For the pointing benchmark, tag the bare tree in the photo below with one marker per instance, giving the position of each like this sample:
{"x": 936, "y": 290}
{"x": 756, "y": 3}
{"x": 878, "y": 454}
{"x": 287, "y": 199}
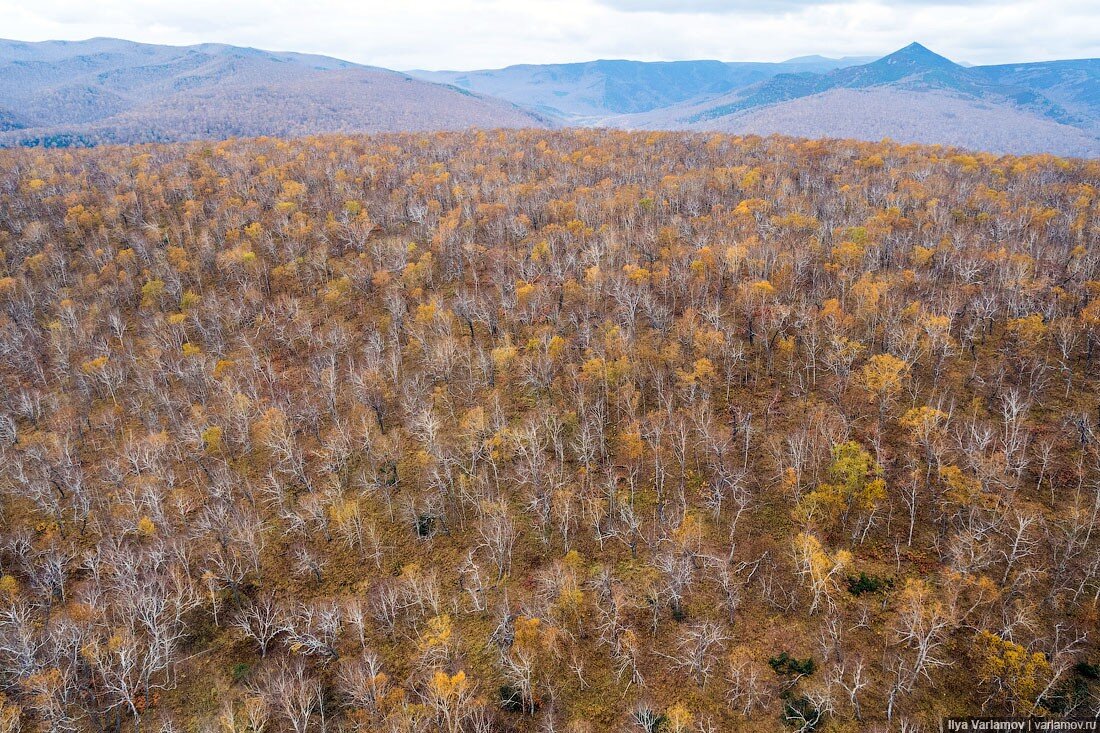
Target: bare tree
{"x": 261, "y": 621}
{"x": 292, "y": 694}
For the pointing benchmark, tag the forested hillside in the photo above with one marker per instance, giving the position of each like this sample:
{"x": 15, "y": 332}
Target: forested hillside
{"x": 913, "y": 96}
{"x": 599, "y": 90}
{"x": 522, "y": 431}
{"x": 59, "y": 94}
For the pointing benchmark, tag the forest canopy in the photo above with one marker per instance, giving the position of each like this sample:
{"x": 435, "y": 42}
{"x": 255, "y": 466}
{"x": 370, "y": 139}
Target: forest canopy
{"x": 546, "y": 431}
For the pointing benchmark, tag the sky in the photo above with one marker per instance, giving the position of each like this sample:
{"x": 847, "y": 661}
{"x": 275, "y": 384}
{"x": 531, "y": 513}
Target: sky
{"x": 473, "y": 34}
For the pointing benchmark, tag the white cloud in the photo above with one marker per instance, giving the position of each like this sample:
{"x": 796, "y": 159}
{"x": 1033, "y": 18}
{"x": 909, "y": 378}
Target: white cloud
{"x": 728, "y": 7}
{"x": 488, "y": 33}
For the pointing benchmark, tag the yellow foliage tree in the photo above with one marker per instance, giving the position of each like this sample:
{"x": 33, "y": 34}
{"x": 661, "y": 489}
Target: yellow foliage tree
{"x": 1021, "y": 675}
{"x": 853, "y": 486}
{"x": 884, "y": 375}
{"x": 818, "y": 568}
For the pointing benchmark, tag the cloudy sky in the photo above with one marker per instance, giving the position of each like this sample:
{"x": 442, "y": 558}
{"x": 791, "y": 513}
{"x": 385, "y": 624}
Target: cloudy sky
{"x": 466, "y": 34}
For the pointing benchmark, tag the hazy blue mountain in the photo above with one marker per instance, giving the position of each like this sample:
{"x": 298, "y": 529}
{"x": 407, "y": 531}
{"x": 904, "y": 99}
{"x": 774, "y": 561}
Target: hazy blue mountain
{"x": 911, "y": 94}
{"x": 596, "y": 89}
{"x": 913, "y": 66}
{"x": 1074, "y": 85}
{"x": 915, "y": 95}
{"x": 8, "y": 121}
{"x": 110, "y": 90}
{"x": 915, "y": 69}
{"x": 828, "y": 64}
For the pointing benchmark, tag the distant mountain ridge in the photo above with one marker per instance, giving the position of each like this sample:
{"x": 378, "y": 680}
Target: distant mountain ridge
{"x": 913, "y": 68}
{"x": 925, "y": 97}
{"x": 913, "y": 94}
{"x": 109, "y": 90}
{"x": 105, "y": 90}
{"x": 593, "y": 90}
{"x": 830, "y": 62}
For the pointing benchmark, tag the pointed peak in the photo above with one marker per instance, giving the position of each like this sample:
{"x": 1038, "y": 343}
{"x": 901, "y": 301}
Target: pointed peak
{"x": 916, "y": 53}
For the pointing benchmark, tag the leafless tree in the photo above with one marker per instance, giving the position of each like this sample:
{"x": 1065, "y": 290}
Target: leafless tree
{"x": 261, "y": 621}
{"x": 292, "y": 694}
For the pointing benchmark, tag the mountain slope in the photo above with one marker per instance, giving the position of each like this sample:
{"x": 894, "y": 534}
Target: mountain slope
{"x": 912, "y": 95}
{"x": 1074, "y": 85}
{"x": 107, "y": 90}
{"x": 8, "y": 121}
{"x": 932, "y": 117}
{"x": 103, "y": 90}
{"x": 596, "y": 89}
{"x": 914, "y": 67}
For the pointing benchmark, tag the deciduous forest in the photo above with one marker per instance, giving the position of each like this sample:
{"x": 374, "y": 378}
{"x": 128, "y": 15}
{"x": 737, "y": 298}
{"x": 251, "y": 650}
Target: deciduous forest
{"x": 572, "y": 431}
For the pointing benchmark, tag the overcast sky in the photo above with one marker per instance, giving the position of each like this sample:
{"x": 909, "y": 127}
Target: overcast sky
{"x": 468, "y": 34}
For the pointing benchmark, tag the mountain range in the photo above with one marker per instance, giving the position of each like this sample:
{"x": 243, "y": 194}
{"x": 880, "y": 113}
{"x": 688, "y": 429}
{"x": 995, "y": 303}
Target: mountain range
{"x": 911, "y": 95}
{"x": 590, "y": 92}
{"x": 106, "y": 90}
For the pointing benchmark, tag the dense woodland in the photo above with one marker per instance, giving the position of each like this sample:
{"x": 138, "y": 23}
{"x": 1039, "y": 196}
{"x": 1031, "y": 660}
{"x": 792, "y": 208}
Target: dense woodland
{"x": 546, "y": 431}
